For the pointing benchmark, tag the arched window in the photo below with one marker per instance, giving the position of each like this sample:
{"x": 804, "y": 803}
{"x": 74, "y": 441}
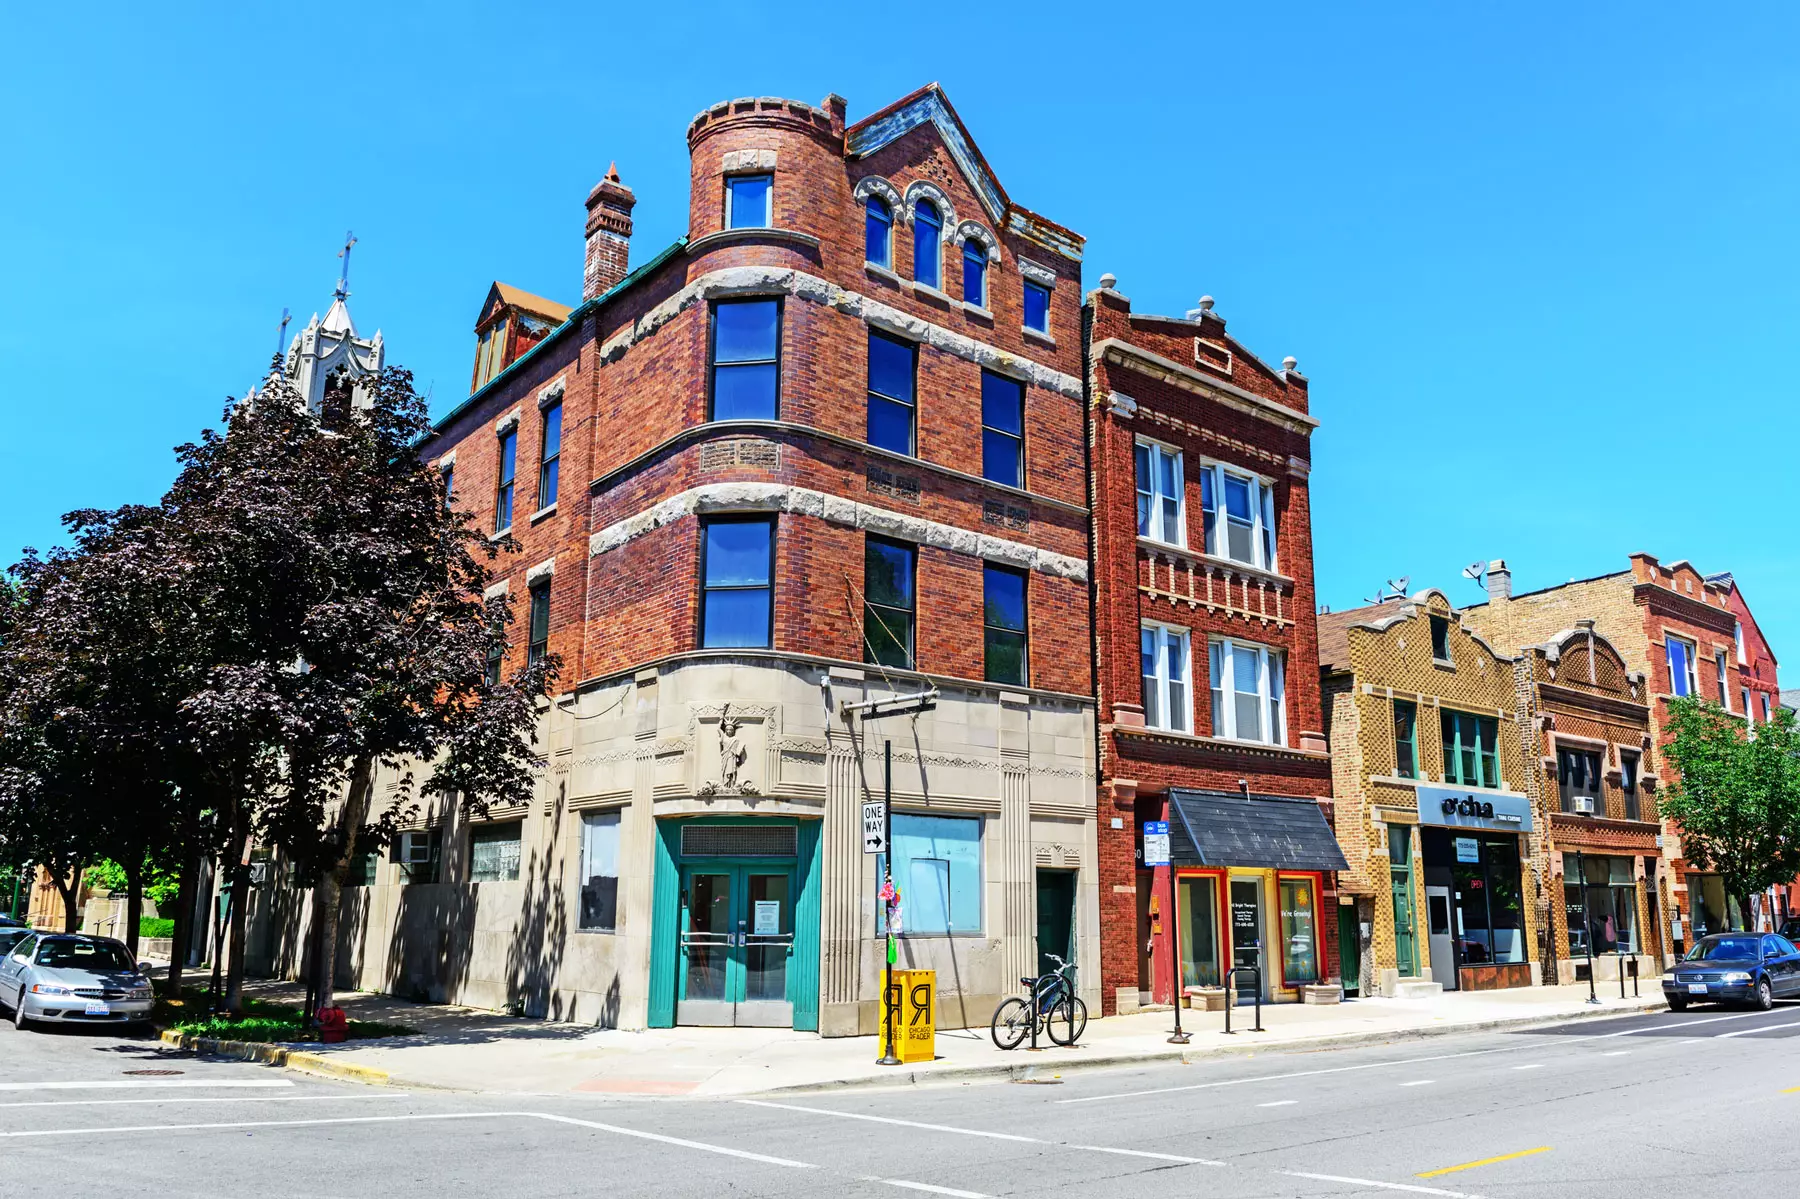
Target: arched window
{"x": 928, "y": 234}
{"x": 880, "y": 247}
{"x": 975, "y": 263}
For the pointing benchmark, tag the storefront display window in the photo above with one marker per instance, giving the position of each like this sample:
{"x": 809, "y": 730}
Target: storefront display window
{"x": 1489, "y": 908}
{"x": 1299, "y": 931}
{"x": 1714, "y": 912}
{"x": 1200, "y": 932}
{"x": 1600, "y": 897}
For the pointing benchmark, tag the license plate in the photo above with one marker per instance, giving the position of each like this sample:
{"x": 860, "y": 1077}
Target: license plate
{"x": 1696, "y": 988}
{"x": 98, "y": 1009}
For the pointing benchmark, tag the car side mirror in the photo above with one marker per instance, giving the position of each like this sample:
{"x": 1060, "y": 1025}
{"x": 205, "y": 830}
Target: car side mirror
{"x": 143, "y": 967}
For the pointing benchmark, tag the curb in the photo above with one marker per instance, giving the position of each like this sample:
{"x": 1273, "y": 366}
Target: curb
{"x": 274, "y": 1054}
{"x": 1043, "y": 1071}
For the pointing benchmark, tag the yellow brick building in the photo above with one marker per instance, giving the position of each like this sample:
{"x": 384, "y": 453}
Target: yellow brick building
{"x": 1430, "y": 801}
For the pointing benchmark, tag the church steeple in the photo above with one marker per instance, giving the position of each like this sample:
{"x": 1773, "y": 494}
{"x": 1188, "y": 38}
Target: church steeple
{"x": 328, "y": 356}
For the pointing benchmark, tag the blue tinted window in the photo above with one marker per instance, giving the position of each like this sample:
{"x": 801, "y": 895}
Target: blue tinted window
{"x": 1003, "y": 621}
{"x": 928, "y": 232}
{"x": 736, "y": 595}
{"x": 975, "y": 273}
{"x": 549, "y": 463}
{"x": 891, "y": 371}
{"x": 746, "y": 377}
{"x": 880, "y": 235}
{"x": 1037, "y": 307}
{"x": 1002, "y": 430}
{"x": 889, "y": 608}
{"x": 503, "y": 501}
{"x": 747, "y": 201}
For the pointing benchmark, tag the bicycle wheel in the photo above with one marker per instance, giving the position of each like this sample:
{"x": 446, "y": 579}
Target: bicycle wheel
{"x": 1012, "y": 1021}
{"x": 1068, "y": 1020}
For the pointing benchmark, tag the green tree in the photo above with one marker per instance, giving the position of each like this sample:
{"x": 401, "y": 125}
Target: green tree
{"x": 1736, "y": 796}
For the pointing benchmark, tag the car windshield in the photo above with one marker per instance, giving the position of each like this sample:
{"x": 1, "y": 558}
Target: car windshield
{"x": 1736, "y": 949}
{"x": 83, "y": 955}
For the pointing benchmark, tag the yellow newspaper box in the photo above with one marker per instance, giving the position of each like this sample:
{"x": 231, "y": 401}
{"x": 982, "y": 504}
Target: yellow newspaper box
{"x": 915, "y": 1030}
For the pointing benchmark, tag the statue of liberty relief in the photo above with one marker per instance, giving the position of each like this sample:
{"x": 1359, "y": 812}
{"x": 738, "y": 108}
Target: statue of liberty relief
{"x": 732, "y": 755}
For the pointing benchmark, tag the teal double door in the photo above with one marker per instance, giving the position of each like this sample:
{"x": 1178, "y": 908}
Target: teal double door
{"x": 736, "y": 944}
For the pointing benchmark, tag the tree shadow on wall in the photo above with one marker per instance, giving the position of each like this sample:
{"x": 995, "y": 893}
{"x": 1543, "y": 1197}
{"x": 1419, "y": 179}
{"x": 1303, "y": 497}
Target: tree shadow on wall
{"x": 433, "y": 942}
{"x": 352, "y": 931}
{"x": 539, "y": 944}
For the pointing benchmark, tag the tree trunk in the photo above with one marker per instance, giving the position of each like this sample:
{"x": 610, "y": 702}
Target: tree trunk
{"x": 184, "y": 924}
{"x": 236, "y": 869}
{"x": 1743, "y": 900}
{"x": 69, "y": 887}
{"x": 134, "y": 902}
{"x": 327, "y": 894}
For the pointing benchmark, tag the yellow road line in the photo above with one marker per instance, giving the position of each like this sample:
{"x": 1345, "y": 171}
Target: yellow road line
{"x": 1791, "y": 1091}
{"x": 1488, "y": 1161}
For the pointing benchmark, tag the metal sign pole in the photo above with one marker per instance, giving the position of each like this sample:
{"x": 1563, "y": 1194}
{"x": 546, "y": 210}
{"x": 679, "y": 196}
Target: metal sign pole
{"x": 888, "y": 1057}
{"x": 1587, "y": 931}
{"x": 1178, "y": 1037}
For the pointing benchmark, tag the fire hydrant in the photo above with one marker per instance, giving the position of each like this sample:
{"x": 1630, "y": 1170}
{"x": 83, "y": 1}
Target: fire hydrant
{"x": 334, "y": 1025}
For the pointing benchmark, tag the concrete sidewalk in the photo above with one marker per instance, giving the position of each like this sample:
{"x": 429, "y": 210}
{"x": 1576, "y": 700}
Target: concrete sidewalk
{"x": 468, "y": 1050}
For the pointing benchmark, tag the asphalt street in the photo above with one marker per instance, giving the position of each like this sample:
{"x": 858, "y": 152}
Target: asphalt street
{"x": 1702, "y": 1103}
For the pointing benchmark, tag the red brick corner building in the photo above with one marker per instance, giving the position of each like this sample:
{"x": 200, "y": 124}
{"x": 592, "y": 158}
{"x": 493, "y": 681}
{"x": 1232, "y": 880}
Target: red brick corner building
{"x": 1206, "y": 651}
{"x": 826, "y": 448}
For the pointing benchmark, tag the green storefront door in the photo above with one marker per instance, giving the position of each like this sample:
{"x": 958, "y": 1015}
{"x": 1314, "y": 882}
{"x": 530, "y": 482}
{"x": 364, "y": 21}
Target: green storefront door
{"x": 1406, "y": 953}
{"x": 1055, "y": 918}
{"x": 737, "y": 938}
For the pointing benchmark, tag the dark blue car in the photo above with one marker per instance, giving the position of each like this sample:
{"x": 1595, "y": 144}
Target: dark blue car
{"x": 1752, "y": 968}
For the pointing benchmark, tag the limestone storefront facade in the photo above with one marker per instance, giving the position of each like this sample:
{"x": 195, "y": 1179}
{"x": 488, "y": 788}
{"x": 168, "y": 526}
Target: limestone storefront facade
{"x": 824, "y": 449}
{"x": 1444, "y": 847}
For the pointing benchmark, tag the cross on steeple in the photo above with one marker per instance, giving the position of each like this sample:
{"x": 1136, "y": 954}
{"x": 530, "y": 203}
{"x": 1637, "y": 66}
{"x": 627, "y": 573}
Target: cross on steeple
{"x": 343, "y": 287}
{"x": 281, "y": 333}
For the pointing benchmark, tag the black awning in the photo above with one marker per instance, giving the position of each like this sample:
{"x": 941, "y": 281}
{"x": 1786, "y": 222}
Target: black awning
{"x": 1221, "y": 828}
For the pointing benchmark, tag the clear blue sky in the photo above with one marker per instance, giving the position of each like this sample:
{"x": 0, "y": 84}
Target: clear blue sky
{"x": 1538, "y": 261}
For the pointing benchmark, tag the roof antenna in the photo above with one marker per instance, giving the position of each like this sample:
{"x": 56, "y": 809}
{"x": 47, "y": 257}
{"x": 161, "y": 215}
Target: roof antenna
{"x": 343, "y": 286}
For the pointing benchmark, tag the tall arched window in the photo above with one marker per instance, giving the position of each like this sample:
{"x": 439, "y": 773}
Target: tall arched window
{"x": 928, "y": 233}
{"x": 880, "y": 237}
{"x": 975, "y": 263}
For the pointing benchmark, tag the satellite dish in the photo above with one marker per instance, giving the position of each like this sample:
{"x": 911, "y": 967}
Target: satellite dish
{"x": 1475, "y": 570}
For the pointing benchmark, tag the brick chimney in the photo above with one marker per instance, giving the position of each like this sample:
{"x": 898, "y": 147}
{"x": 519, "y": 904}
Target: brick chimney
{"x": 1499, "y": 580}
{"x": 608, "y": 234}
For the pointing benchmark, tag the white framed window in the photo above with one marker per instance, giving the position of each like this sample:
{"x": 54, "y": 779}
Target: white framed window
{"x": 1168, "y": 698}
{"x": 1744, "y": 694}
{"x": 1737, "y": 635}
{"x": 1238, "y": 515}
{"x": 1680, "y": 653}
{"x": 1765, "y": 707}
{"x": 1724, "y": 683}
{"x": 1161, "y": 508}
{"x": 1249, "y": 691}
{"x": 599, "y": 871}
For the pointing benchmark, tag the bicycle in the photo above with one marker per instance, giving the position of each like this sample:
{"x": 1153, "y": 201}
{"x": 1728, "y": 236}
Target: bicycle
{"x": 1051, "y": 1006}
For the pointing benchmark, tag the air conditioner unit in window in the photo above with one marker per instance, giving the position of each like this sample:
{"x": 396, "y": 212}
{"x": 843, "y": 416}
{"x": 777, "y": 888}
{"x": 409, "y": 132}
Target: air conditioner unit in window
{"x": 1584, "y": 805}
{"x": 415, "y": 849}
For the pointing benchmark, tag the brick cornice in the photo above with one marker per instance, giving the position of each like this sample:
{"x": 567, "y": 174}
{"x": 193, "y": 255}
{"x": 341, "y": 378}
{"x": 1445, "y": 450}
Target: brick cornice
{"x": 1167, "y": 370}
{"x": 1552, "y": 693}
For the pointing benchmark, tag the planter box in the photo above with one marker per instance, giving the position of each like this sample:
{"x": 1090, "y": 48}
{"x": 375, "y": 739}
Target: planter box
{"x": 1321, "y": 993}
{"x": 1206, "y": 999}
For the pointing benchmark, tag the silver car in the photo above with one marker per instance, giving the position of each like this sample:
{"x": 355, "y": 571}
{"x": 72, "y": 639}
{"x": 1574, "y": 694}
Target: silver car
{"x": 82, "y": 980}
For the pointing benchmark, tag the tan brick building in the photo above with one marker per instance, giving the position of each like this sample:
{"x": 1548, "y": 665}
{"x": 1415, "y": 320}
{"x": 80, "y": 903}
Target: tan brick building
{"x": 1430, "y": 800}
{"x": 1676, "y": 628}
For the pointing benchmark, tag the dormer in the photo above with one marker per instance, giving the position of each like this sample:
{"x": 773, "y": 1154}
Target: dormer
{"x": 511, "y": 323}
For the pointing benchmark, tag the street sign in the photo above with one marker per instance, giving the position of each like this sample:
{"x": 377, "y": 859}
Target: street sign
{"x": 1156, "y": 842}
{"x": 874, "y": 821}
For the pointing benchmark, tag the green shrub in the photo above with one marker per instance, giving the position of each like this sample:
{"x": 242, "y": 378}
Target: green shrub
{"x": 152, "y": 926}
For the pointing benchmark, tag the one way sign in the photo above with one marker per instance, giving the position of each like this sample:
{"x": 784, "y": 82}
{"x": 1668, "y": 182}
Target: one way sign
{"x": 874, "y": 820}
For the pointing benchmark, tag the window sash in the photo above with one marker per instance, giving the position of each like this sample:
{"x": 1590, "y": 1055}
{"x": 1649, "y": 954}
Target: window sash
{"x": 887, "y": 409}
{"x": 1238, "y": 515}
{"x": 975, "y": 264}
{"x": 1628, "y": 783}
{"x": 1002, "y": 430}
{"x": 1161, "y": 505}
{"x": 1406, "y": 739}
{"x": 495, "y": 851}
{"x": 503, "y": 496}
{"x": 550, "y": 456}
{"x": 1680, "y": 655}
{"x": 1471, "y": 750}
{"x": 889, "y": 622}
{"x": 539, "y": 629}
{"x": 734, "y": 608}
{"x": 745, "y": 376}
{"x": 1166, "y": 670}
{"x": 599, "y": 879}
{"x": 749, "y": 201}
{"x": 928, "y": 240}
{"x": 1005, "y": 633}
{"x": 878, "y": 238}
{"x": 1037, "y": 307}
{"x": 1249, "y": 700}
{"x": 1578, "y": 775}
{"x": 1724, "y": 684}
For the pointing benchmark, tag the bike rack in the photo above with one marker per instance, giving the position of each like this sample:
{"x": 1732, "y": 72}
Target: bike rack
{"x": 1631, "y": 963}
{"x": 1231, "y": 996}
